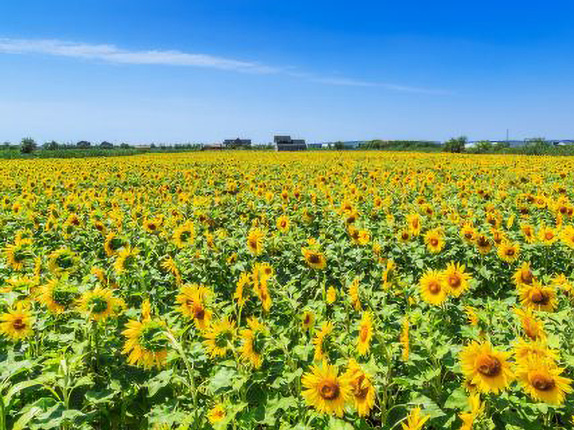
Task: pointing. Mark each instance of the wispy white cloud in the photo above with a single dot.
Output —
(114, 54)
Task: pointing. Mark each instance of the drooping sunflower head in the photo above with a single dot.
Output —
(325, 390)
(523, 275)
(433, 288)
(486, 367)
(322, 340)
(17, 254)
(365, 333)
(362, 390)
(184, 235)
(483, 243)
(146, 343)
(254, 341)
(17, 323)
(331, 295)
(533, 328)
(126, 259)
(255, 241)
(218, 337)
(58, 295)
(63, 261)
(193, 304)
(99, 303)
(114, 243)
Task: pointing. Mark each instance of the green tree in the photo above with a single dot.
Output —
(455, 144)
(28, 145)
(483, 146)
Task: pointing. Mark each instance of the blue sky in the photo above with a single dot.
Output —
(201, 71)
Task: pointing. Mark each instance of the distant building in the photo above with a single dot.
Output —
(212, 147)
(285, 143)
(237, 143)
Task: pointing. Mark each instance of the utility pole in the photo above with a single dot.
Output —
(506, 135)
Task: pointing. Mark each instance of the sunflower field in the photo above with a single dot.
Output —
(258, 290)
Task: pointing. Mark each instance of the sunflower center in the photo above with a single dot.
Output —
(360, 389)
(510, 252)
(184, 236)
(199, 312)
(543, 382)
(454, 281)
(364, 333)
(19, 324)
(482, 242)
(405, 236)
(489, 366)
(329, 390)
(526, 277)
(434, 241)
(434, 287)
(539, 297)
(65, 261)
(98, 305)
(549, 235)
(63, 297)
(313, 258)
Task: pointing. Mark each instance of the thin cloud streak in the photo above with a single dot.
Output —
(113, 54)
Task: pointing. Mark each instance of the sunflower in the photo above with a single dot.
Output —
(216, 414)
(255, 241)
(404, 339)
(331, 295)
(114, 243)
(414, 223)
(486, 367)
(146, 343)
(57, 295)
(99, 303)
(483, 244)
(434, 239)
(184, 235)
(243, 282)
(126, 259)
(433, 288)
(567, 236)
(508, 251)
(354, 296)
(523, 275)
(471, 315)
(468, 233)
(415, 420)
(404, 236)
(365, 333)
(561, 282)
(307, 320)
(218, 337)
(283, 223)
(17, 254)
(363, 392)
(524, 351)
(321, 340)
(537, 297)
(253, 342)
(152, 225)
(192, 300)
(547, 235)
(528, 233)
(16, 323)
(456, 278)
(325, 390)
(532, 327)
(62, 261)
(542, 381)
(314, 259)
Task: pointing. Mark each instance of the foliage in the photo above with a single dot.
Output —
(264, 290)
